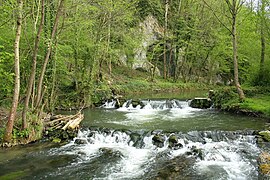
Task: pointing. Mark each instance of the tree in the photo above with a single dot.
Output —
(12, 115)
(234, 7)
(48, 53)
(33, 69)
(262, 20)
(165, 39)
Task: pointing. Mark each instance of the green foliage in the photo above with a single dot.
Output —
(13, 175)
(93, 35)
(261, 77)
(17, 134)
(225, 97)
(150, 7)
(2, 133)
(256, 101)
(6, 74)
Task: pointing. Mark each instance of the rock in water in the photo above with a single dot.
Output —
(265, 135)
(80, 141)
(202, 103)
(158, 140)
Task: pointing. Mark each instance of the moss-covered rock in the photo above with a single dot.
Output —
(265, 135)
(158, 140)
(202, 103)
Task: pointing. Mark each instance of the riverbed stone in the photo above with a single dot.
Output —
(194, 151)
(173, 139)
(264, 165)
(80, 141)
(176, 168)
(158, 140)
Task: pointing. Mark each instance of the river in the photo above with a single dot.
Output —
(160, 140)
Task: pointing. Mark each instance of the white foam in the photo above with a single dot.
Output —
(230, 159)
(109, 105)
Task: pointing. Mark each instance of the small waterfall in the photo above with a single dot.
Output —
(213, 155)
(109, 105)
(154, 104)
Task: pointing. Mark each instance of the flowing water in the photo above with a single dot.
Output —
(158, 139)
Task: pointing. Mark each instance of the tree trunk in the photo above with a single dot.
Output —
(49, 49)
(262, 18)
(12, 115)
(33, 70)
(235, 60)
(165, 40)
(108, 56)
(108, 43)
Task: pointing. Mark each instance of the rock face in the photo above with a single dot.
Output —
(202, 103)
(151, 32)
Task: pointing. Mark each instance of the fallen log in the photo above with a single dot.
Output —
(73, 123)
(63, 127)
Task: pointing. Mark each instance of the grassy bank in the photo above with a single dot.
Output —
(127, 81)
(256, 103)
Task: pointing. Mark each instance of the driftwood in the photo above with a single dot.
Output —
(63, 127)
(65, 122)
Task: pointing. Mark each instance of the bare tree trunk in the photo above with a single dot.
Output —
(262, 50)
(33, 70)
(234, 12)
(263, 4)
(109, 39)
(12, 115)
(165, 40)
(49, 49)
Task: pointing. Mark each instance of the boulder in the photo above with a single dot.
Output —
(173, 139)
(194, 151)
(264, 165)
(173, 142)
(265, 135)
(202, 103)
(80, 141)
(158, 140)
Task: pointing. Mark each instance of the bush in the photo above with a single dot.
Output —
(262, 78)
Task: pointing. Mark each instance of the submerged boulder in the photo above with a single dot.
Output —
(194, 151)
(176, 168)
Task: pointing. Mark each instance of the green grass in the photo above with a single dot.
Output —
(128, 81)
(257, 100)
(259, 103)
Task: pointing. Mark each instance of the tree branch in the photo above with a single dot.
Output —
(217, 16)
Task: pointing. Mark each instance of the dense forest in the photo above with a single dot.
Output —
(72, 52)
